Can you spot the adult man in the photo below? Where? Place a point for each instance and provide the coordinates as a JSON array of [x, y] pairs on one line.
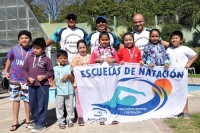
[[141, 33], [93, 38], [68, 36]]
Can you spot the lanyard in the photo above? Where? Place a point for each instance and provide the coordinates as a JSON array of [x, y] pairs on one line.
[[22, 53], [131, 54], [36, 64]]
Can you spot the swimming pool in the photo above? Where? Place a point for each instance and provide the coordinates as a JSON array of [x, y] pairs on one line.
[[191, 87]]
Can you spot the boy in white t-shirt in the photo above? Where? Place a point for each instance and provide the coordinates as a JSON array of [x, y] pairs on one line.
[[181, 56]]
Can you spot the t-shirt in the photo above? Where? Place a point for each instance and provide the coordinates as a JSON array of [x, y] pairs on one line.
[[66, 87], [18, 55], [178, 57], [134, 55], [141, 39], [68, 40], [93, 40]]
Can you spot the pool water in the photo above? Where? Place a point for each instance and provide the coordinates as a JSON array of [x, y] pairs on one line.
[[191, 87]]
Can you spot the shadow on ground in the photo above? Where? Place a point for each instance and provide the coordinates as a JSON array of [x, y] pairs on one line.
[[3, 97], [51, 117]]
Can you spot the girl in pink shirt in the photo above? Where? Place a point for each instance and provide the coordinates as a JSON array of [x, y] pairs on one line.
[[104, 53]]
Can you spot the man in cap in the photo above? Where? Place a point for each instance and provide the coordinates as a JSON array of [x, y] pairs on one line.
[[101, 25], [68, 36]]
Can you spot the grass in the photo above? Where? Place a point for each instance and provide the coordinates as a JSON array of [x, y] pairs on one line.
[[194, 75], [181, 125]]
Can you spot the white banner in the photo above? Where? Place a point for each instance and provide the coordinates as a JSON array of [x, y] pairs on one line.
[[129, 92]]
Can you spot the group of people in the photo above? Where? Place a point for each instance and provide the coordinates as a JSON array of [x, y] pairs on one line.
[[29, 69]]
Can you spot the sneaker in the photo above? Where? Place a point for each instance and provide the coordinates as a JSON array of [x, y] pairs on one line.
[[38, 128], [61, 125], [31, 125], [70, 123], [81, 121], [101, 121], [179, 115], [186, 116]]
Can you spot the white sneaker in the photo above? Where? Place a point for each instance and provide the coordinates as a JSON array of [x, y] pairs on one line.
[[37, 129], [70, 123], [31, 126]]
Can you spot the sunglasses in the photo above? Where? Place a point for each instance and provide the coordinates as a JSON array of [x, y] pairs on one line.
[[71, 17], [100, 21]]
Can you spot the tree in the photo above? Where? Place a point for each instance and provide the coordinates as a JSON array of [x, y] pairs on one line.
[[167, 29], [38, 10], [190, 14]]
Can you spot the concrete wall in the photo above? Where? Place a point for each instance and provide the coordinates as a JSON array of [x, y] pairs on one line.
[[119, 31]]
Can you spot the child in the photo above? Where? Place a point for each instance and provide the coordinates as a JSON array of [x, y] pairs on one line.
[[181, 56], [37, 70], [16, 57], [64, 90], [154, 52], [104, 53], [129, 53], [81, 59]]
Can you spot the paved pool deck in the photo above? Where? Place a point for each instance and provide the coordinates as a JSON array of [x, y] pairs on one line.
[[147, 126]]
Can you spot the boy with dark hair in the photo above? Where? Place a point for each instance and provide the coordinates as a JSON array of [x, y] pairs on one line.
[[37, 70], [16, 57], [64, 90], [181, 57]]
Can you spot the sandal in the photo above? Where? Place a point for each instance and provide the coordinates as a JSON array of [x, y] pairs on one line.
[[27, 124], [102, 123], [14, 127], [115, 122]]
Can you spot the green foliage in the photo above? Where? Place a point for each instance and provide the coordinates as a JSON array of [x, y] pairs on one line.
[[167, 29], [38, 11], [190, 13], [171, 13], [196, 64]]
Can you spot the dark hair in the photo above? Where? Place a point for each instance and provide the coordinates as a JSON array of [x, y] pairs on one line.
[[39, 42], [24, 32], [151, 33], [103, 33], [62, 53], [128, 33], [154, 30], [81, 41], [178, 33]]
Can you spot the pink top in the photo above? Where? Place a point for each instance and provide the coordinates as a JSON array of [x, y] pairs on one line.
[[79, 61], [100, 52]]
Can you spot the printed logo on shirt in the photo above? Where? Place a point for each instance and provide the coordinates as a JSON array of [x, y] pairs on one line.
[[41, 64], [19, 62], [70, 43]]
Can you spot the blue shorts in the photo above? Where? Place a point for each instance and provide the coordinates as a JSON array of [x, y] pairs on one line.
[[16, 94]]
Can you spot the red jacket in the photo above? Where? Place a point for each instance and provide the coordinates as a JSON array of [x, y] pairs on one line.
[[124, 55]]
